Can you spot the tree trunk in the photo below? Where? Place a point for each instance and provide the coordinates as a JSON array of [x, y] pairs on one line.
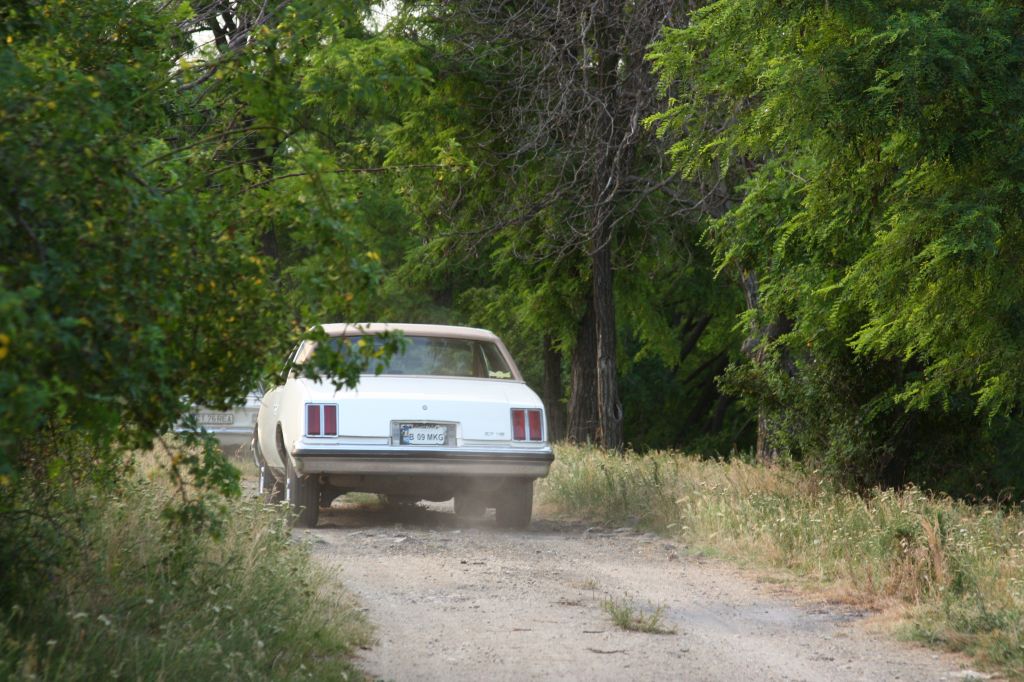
[[582, 426], [767, 451], [553, 391], [611, 134], [756, 347], [609, 409], [718, 416]]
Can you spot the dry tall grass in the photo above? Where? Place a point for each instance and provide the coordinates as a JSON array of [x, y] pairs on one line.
[[133, 598], [957, 568]]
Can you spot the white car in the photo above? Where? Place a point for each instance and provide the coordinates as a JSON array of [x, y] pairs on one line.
[[232, 428], [449, 417]]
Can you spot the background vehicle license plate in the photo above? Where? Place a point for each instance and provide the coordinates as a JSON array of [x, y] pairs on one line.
[[215, 418], [423, 434]]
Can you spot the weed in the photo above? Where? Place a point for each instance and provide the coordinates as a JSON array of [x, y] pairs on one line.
[[363, 500], [628, 616]]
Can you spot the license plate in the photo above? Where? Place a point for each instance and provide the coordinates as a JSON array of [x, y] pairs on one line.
[[215, 418], [422, 434]]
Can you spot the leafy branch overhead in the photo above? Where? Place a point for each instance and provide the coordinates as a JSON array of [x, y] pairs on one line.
[[182, 198], [713, 225]]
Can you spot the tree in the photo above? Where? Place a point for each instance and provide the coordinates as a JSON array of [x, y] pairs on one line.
[[553, 167], [174, 218], [880, 213]]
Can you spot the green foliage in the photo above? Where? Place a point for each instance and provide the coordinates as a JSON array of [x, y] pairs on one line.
[[122, 595], [679, 332], [877, 148], [632, 618], [97, 329], [498, 241], [174, 219], [458, 263]]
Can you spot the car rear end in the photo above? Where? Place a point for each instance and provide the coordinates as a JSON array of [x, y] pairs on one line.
[[420, 426], [450, 416]]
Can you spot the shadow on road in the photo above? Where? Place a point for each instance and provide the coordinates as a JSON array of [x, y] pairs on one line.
[[343, 514]]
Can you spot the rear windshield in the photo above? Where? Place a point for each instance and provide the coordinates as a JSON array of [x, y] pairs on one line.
[[440, 356]]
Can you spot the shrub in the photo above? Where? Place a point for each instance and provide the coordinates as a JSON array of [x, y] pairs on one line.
[[107, 588]]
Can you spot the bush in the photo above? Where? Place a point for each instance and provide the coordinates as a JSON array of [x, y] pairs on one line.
[[103, 586]]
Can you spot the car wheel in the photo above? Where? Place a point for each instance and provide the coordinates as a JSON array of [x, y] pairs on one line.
[[303, 494], [469, 506], [328, 493], [514, 504]]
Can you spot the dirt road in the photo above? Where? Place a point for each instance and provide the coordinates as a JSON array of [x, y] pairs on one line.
[[458, 601]]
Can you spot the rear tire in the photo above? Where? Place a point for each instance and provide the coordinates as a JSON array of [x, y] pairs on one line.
[[303, 494], [514, 506]]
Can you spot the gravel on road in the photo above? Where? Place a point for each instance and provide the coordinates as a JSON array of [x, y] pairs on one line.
[[454, 600]]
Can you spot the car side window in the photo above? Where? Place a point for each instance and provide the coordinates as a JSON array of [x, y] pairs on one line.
[[496, 365], [293, 357]]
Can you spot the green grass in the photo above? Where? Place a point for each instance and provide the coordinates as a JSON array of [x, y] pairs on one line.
[[128, 598], [954, 572], [629, 616]]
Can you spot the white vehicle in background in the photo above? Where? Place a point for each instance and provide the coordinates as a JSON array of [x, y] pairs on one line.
[[232, 428], [449, 417]]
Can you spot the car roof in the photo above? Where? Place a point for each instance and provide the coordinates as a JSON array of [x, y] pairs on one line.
[[371, 328]]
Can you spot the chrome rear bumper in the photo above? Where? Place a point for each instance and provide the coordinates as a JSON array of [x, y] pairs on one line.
[[505, 462]]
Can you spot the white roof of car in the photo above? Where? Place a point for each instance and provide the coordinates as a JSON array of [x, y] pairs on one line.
[[448, 331]]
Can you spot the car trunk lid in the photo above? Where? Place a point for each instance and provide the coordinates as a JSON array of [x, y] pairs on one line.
[[480, 406]]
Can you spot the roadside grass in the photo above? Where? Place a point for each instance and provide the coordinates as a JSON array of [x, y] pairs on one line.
[[130, 598], [954, 570], [362, 500], [629, 616]]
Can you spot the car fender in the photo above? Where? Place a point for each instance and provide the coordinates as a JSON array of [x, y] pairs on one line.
[[292, 413], [266, 430]]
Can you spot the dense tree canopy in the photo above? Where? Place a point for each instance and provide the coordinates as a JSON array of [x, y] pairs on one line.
[[186, 187], [559, 219], [877, 147], [176, 213]]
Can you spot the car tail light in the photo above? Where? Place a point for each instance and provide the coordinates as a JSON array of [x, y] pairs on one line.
[[527, 425], [518, 424], [533, 417], [313, 419], [321, 419], [330, 420]]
